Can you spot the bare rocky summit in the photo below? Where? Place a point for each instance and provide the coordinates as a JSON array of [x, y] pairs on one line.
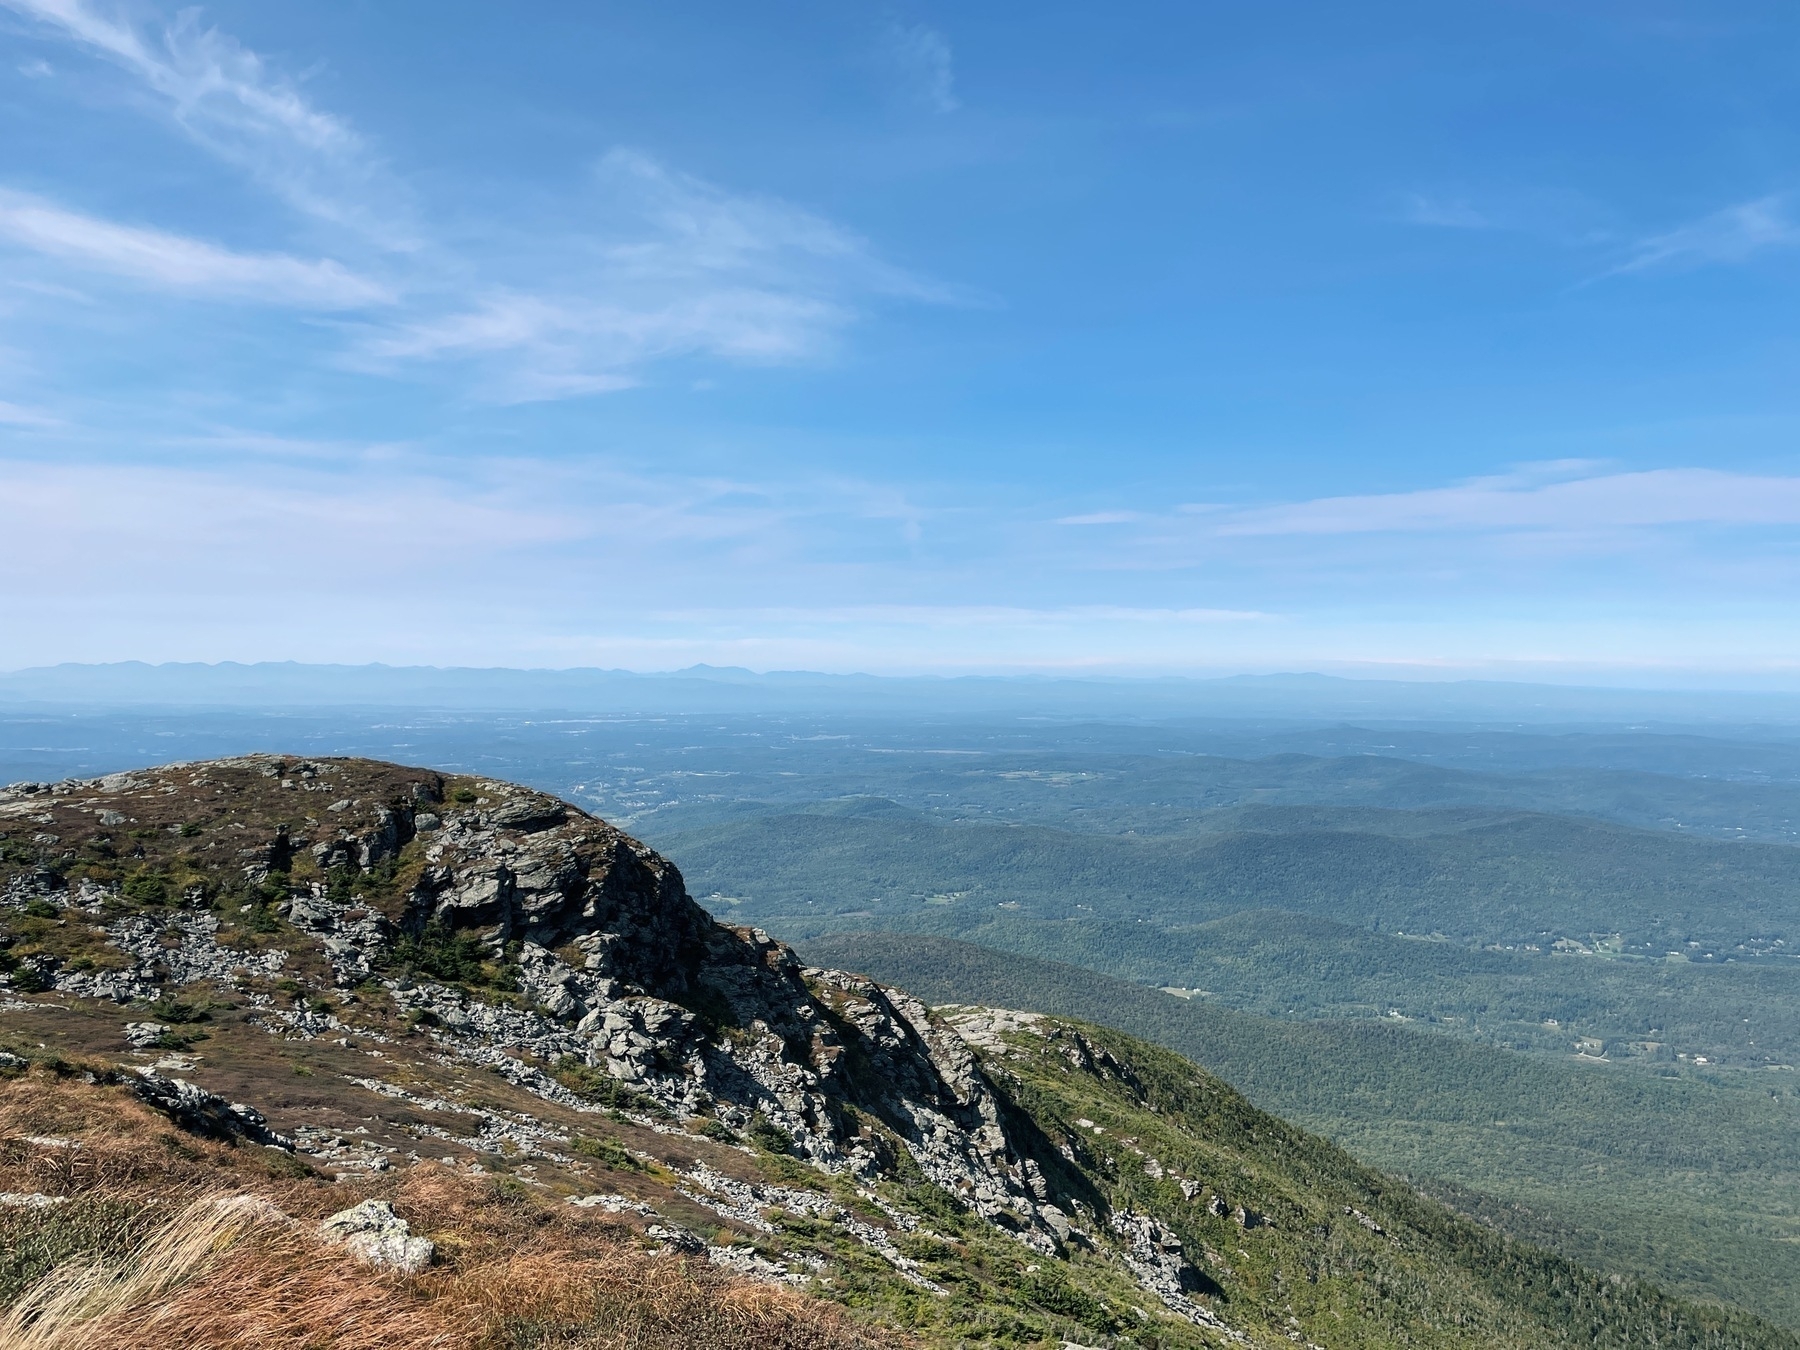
[[576, 946]]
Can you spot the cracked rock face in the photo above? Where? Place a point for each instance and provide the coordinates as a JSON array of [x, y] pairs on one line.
[[624, 971], [144, 1035]]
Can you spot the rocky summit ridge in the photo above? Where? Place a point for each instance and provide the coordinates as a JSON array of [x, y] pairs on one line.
[[596, 951], [372, 967]]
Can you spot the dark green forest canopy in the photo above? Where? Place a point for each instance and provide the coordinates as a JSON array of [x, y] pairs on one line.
[[1199, 1126]]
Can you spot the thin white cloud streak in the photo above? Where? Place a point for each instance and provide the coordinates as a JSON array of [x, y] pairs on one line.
[[700, 230], [225, 98], [1101, 518], [295, 513], [561, 348], [179, 263], [137, 530], [1444, 214], [1656, 497], [959, 616], [13, 415], [234, 442], [1732, 235], [924, 57], [1729, 236]]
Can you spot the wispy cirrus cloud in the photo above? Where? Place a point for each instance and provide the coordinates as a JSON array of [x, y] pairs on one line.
[[1732, 235], [226, 98], [924, 58], [691, 229], [641, 264], [1562, 217], [674, 266], [169, 528], [1101, 518], [1444, 213], [539, 549], [973, 615], [179, 263], [1512, 502], [14, 415]]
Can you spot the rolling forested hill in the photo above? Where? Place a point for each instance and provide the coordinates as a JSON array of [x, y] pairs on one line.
[[1510, 879], [1524, 930]]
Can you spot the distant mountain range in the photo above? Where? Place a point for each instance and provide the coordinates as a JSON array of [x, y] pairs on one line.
[[1304, 697]]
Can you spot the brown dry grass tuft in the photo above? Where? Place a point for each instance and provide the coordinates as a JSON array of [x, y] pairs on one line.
[[232, 1271], [113, 1144], [83, 1303], [624, 1299], [281, 1289]]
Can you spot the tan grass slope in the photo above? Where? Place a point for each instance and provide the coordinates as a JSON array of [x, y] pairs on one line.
[[239, 1262]]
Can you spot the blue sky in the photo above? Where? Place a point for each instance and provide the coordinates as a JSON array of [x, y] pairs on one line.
[[1396, 338]]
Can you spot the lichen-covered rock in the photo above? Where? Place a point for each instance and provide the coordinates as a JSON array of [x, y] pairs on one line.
[[1155, 1256], [377, 1236], [31, 1200]]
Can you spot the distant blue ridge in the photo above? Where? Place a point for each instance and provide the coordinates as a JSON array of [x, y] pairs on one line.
[[1300, 697]]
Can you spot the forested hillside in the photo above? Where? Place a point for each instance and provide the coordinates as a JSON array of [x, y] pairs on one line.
[[1690, 1182], [1526, 931]]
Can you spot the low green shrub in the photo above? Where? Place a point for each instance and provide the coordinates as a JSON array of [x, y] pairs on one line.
[[770, 1137], [602, 1088], [146, 888], [441, 952]]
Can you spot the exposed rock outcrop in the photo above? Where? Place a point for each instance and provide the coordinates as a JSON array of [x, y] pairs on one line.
[[624, 971], [203, 1112]]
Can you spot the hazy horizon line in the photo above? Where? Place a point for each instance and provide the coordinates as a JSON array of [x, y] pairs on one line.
[[1597, 679]]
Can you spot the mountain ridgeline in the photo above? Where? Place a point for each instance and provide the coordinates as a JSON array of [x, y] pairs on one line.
[[1685, 1180], [384, 982]]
